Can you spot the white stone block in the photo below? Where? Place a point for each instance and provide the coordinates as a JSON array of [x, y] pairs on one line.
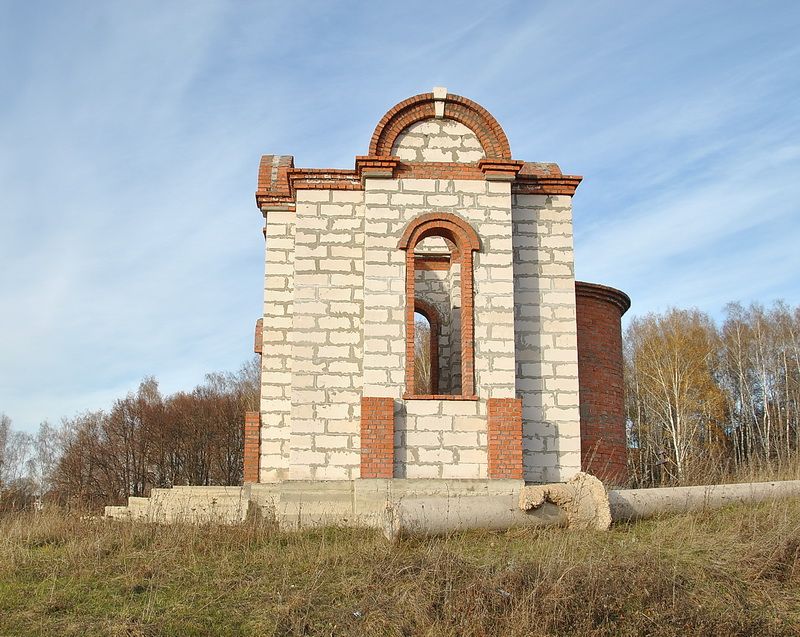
[[418, 185], [419, 471], [462, 471], [459, 438], [431, 456], [442, 200], [423, 439], [311, 196], [425, 408], [331, 472]]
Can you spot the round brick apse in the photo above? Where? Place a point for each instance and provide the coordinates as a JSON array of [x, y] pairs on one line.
[[599, 311]]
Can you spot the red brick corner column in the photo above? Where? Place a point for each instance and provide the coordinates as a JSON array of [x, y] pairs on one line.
[[377, 437], [252, 445], [604, 447], [505, 438]]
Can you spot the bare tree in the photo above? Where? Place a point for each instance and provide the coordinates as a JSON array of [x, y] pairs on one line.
[[5, 431]]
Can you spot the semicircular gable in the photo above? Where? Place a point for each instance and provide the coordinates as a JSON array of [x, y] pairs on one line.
[[460, 109]]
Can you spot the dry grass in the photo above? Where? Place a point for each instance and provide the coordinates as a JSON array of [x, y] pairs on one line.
[[731, 572]]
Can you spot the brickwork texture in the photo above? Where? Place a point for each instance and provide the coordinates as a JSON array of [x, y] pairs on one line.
[[505, 438], [377, 437], [350, 255], [600, 368]]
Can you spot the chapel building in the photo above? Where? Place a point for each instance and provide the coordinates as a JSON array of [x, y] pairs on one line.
[[421, 317]]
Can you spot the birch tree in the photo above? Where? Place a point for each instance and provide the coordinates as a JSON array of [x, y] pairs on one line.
[[680, 408]]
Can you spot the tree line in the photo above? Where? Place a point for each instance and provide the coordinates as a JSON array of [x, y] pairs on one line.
[[708, 401], [144, 440], [705, 402]]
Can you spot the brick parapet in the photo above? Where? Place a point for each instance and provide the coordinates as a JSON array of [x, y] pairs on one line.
[[600, 370], [377, 437], [504, 425], [490, 158]]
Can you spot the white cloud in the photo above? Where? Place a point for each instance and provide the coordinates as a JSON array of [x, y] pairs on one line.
[[130, 240]]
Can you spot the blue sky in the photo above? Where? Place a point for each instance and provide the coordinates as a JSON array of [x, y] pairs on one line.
[[130, 134]]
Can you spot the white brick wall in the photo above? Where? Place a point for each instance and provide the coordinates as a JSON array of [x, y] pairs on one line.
[[545, 332], [327, 339], [437, 140], [276, 359], [487, 207], [334, 323], [440, 439]]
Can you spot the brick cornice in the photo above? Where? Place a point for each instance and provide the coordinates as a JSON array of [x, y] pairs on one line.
[[280, 193], [536, 178], [500, 169], [566, 185], [376, 167], [322, 178], [604, 293]]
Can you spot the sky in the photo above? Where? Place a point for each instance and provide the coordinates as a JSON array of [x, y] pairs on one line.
[[130, 136]]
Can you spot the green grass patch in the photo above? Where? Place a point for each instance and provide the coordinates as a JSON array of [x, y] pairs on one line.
[[729, 572]]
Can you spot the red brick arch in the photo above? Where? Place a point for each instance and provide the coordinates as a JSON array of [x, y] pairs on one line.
[[442, 224], [464, 237], [421, 107]]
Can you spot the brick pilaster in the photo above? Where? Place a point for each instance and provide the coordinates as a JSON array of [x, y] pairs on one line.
[[258, 337], [377, 437], [252, 445], [505, 438]]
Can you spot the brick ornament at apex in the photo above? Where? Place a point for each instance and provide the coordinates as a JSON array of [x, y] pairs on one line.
[[438, 219]]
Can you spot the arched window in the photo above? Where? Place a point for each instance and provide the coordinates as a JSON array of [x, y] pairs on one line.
[[426, 381], [462, 241]]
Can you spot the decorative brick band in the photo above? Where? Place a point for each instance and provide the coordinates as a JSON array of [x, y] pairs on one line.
[[505, 438], [377, 437], [252, 446]]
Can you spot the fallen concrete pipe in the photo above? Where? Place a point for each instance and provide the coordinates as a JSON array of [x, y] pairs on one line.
[[637, 504], [439, 516], [430, 507]]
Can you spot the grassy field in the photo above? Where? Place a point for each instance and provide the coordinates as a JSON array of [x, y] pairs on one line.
[[730, 572]]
